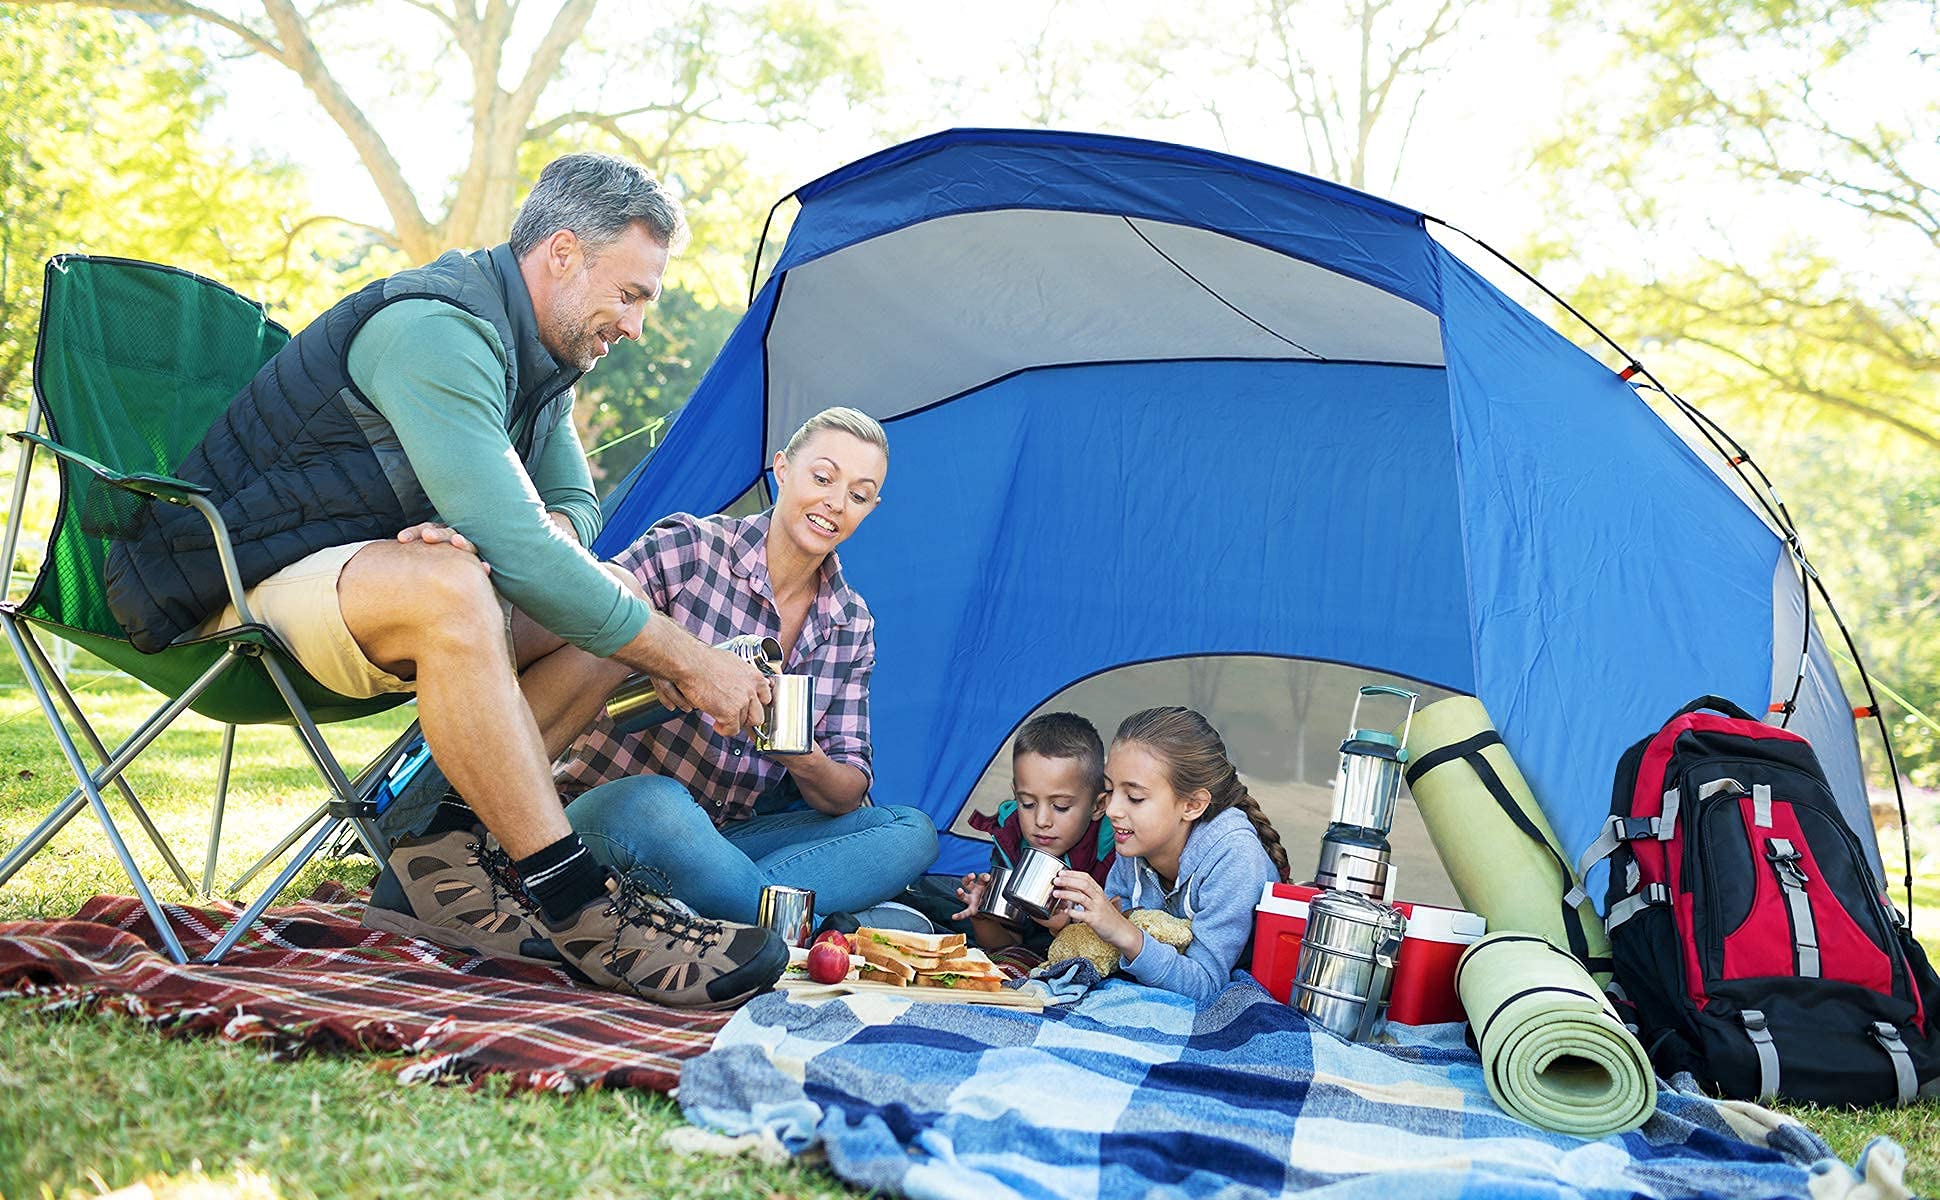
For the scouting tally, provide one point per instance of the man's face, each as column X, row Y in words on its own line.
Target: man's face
column 601, row 295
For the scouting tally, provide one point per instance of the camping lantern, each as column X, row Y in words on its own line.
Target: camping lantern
column 1354, row 850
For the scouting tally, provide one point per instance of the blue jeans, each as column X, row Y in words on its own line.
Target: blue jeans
column 649, row 828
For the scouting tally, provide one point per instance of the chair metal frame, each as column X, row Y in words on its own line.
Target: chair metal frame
column 350, row 803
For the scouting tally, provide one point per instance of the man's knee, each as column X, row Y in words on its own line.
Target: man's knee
column 404, row 601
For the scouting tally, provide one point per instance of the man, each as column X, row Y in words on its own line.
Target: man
column 397, row 477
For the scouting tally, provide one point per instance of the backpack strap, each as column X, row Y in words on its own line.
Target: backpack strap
column 1470, row 752
column 1765, row 1048
column 1784, row 858
column 1761, row 805
column 1904, row 1077
column 1618, row 830
column 1634, row 903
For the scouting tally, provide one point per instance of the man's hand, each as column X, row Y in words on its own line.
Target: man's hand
column 725, row 686
column 670, row 694
column 432, row 533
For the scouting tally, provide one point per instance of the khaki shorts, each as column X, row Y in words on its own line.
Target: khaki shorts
column 299, row 604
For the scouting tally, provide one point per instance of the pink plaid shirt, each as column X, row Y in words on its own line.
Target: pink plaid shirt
column 711, row 575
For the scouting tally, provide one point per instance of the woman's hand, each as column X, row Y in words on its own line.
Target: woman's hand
column 971, row 891
column 1086, row 902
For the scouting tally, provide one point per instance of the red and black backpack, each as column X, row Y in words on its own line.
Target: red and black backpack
column 1753, row 946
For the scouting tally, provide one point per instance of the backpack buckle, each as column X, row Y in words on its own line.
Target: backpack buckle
column 1785, row 860
column 1905, row 1080
column 1635, row 829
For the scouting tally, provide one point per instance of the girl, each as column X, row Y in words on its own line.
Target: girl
column 1190, row 840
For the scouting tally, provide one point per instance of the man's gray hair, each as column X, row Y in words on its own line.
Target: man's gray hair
column 596, row 196
column 852, row 421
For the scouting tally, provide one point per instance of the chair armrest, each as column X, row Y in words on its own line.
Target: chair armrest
column 159, row 487
column 169, row 490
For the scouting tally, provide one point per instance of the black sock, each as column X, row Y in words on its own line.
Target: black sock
column 563, row 878
column 451, row 815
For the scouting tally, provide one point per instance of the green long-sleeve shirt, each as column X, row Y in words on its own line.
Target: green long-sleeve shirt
column 437, row 374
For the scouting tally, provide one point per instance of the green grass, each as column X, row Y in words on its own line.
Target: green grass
column 95, row 1102
column 90, row 1103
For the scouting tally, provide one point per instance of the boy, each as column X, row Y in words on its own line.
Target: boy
column 1058, row 785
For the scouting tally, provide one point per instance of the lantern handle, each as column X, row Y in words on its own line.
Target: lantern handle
column 1382, row 689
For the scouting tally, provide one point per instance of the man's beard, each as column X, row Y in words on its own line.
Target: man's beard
column 576, row 334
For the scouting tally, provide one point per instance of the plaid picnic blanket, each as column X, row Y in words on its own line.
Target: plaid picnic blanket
column 1134, row 1092
column 310, row 977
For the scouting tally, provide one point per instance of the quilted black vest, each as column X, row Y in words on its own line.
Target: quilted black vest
column 301, row 460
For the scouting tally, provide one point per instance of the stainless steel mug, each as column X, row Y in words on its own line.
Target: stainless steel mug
column 1346, row 968
column 787, row 724
column 789, row 911
column 1032, row 877
column 636, row 704
column 995, row 903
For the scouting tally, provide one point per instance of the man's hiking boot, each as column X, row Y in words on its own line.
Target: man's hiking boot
column 459, row 889
column 636, row 943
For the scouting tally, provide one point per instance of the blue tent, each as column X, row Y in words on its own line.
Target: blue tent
column 1147, row 401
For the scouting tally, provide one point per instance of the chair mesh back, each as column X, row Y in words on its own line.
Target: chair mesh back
column 135, row 362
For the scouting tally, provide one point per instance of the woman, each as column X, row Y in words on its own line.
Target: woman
column 707, row 819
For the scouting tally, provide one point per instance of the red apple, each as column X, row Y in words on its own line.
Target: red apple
column 828, row 962
column 837, row 937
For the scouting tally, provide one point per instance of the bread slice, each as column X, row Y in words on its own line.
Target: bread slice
column 912, row 945
column 898, row 975
column 960, row 982
column 886, row 963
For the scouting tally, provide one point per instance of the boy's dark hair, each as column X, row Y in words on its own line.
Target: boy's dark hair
column 1064, row 735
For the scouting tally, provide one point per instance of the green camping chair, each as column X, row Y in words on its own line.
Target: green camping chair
column 133, row 363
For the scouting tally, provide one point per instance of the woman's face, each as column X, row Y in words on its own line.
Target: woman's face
column 1148, row 818
column 826, row 489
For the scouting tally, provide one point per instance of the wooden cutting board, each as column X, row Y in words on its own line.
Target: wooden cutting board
column 808, row 989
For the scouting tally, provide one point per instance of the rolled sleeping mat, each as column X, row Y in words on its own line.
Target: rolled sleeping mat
column 1493, row 840
column 1553, row 1052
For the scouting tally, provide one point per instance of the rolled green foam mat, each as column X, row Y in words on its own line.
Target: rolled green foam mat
column 1491, row 835
column 1553, row 1051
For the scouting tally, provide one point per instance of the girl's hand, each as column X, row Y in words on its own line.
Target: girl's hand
column 1085, row 902
column 1056, row 921
column 971, row 892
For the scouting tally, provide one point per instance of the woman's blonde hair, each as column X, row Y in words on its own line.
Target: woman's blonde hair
column 852, row 421
column 1195, row 758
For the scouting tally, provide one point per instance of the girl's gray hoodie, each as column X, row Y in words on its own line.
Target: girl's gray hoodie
column 1222, row 871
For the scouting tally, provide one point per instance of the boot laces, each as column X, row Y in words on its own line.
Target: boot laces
column 638, row 907
column 504, row 877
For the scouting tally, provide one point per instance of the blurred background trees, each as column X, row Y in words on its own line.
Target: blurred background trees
column 1742, row 192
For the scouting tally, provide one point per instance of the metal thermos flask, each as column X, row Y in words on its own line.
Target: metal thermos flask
column 636, row 704
column 1354, row 850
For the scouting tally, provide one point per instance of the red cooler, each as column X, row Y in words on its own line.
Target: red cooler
column 1424, row 976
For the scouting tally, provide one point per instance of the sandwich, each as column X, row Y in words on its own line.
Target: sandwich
column 943, row 960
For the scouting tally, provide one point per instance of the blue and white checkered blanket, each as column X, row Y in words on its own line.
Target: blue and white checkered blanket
column 1134, row 1092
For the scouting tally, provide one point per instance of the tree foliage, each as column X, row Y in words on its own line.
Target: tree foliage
column 1791, row 113
column 677, row 91
column 102, row 150
column 1755, row 195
